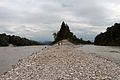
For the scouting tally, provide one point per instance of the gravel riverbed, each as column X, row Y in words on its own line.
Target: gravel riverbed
column 64, row 62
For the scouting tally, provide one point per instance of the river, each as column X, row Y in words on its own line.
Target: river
column 111, row 53
column 10, row 55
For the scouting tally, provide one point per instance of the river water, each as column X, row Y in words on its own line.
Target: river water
column 111, row 53
column 10, row 55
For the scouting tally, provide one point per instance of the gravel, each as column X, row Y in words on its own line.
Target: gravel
column 64, row 62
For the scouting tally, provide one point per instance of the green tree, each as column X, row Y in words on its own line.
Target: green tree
column 65, row 33
column 109, row 38
column 5, row 40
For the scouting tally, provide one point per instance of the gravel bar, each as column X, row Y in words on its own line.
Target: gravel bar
column 63, row 62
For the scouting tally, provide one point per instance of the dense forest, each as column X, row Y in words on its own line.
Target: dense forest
column 65, row 33
column 109, row 38
column 5, row 40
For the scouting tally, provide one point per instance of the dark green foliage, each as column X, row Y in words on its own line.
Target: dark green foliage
column 65, row 33
column 5, row 40
column 109, row 38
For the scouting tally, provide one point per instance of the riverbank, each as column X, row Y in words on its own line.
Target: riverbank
column 64, row 62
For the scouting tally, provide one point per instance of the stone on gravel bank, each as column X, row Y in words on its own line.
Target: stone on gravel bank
column 63, row 63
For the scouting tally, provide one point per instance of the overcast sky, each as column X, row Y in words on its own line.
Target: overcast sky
column 38, row 19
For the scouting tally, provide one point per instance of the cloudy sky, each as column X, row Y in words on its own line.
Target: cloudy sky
column 38, row 19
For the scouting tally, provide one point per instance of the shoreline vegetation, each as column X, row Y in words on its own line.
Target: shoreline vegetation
column 65, row 33
column 109, row 38
column 63, row 62
column 8, row 40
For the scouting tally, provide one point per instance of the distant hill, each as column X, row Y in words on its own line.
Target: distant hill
column 109, row 38
column 46, row 42
column 5, row 40
column 65, row 33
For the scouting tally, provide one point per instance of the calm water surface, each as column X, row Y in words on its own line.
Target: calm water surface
column 109, row 52
column 10, row 55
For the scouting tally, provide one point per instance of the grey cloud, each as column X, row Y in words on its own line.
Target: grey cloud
column 114, row 1
column 6, row 14
column 35, row 18
column 6, row 29
column 9, row 32
column 92, row 11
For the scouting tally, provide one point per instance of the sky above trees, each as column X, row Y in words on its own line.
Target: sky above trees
column 39, row 19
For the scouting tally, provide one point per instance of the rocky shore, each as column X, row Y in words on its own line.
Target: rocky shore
column 63, row 62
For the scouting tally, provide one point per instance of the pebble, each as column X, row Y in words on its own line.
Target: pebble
column 63, row 62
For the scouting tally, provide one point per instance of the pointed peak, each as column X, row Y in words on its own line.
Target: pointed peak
column 63, row 22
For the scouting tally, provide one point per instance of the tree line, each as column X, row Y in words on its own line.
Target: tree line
column 109, row 38
column 5, row 40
